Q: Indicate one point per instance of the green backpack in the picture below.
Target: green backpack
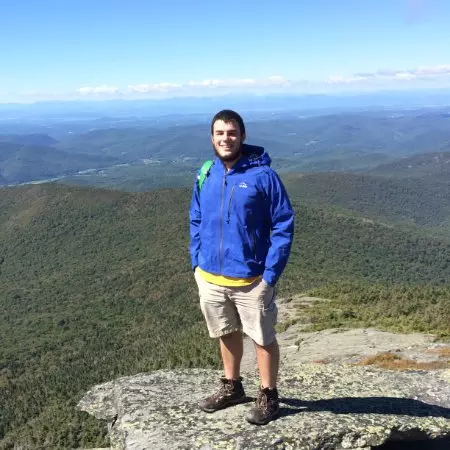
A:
(203, 174)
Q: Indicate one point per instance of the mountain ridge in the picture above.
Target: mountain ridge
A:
(98, 284)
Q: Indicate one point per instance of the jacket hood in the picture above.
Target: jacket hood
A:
(252, 156)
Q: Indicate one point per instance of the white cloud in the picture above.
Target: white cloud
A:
(237, 82)
(103, 89)
(433, 71)
(404, 76)
(157, 87)
(422, 76)
(207, 84)
(393, 75)
(344, 80)
(168, 87)
(240, 82)
(439, 75)
(277, 80)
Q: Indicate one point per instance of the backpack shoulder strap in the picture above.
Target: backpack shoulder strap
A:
(203, 174)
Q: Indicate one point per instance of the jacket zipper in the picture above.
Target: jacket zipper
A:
(224, 182)
(229, 203)
(254, 243)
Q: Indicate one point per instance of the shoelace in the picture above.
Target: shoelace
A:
(261, 401)
(224, 390)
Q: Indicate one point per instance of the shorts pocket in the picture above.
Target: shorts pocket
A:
(266, 294)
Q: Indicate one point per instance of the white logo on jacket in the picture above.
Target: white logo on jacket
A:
(243, 184)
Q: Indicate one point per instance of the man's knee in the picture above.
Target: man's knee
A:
(269, 345)
(232, 336)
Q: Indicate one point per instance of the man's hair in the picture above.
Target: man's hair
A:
(227, 115)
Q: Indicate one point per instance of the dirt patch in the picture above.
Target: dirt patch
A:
(443, 352)
(394, 362)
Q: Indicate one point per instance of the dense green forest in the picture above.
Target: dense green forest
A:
(423, 202)
(435, 165)
(402, 307)
(139, 177)
(95, 284)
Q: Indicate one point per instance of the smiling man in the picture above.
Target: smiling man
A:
(227, 139)
(241, 225)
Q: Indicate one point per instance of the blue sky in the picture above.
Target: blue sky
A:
(70, 49)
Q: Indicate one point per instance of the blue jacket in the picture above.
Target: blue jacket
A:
(241, 222)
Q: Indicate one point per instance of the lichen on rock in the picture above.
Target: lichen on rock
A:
(323, 406)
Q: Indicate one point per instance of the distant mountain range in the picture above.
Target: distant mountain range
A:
(244, 103)
(35, 139)
(337, 142)
(26, 163)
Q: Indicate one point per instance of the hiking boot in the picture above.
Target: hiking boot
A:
(266, 408)
(231, 392)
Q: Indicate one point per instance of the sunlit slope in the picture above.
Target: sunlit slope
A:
(424, 201)
(97, 283)
(434, 165)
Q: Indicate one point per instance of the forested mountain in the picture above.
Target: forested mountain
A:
(36, 139)
(134, 143)
(21, 163)
(434, 165)
(97, 283)
(422, 199)
(419, 201)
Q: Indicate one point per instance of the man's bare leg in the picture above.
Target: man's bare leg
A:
(267, 405)
(231, 391)
(268, 362)
(232, 349)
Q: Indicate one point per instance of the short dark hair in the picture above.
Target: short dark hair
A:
(227, 115)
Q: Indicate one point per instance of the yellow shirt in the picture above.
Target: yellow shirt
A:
(222, 280)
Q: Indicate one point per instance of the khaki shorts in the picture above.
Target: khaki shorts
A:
(250, 309)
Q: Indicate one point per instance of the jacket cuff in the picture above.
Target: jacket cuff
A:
(270, 277)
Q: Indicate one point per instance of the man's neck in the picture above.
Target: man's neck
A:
(230, 164)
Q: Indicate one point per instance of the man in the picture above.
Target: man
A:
(241, 225)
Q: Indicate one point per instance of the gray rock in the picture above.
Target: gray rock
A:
(324, 406)
(336, 405)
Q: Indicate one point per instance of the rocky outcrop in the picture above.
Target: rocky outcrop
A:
(328, 400)
(324, 406)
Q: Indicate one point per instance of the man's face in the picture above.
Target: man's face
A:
(227, 140)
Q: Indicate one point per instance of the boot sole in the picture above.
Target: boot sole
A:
(230, 403)
(265, 422)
